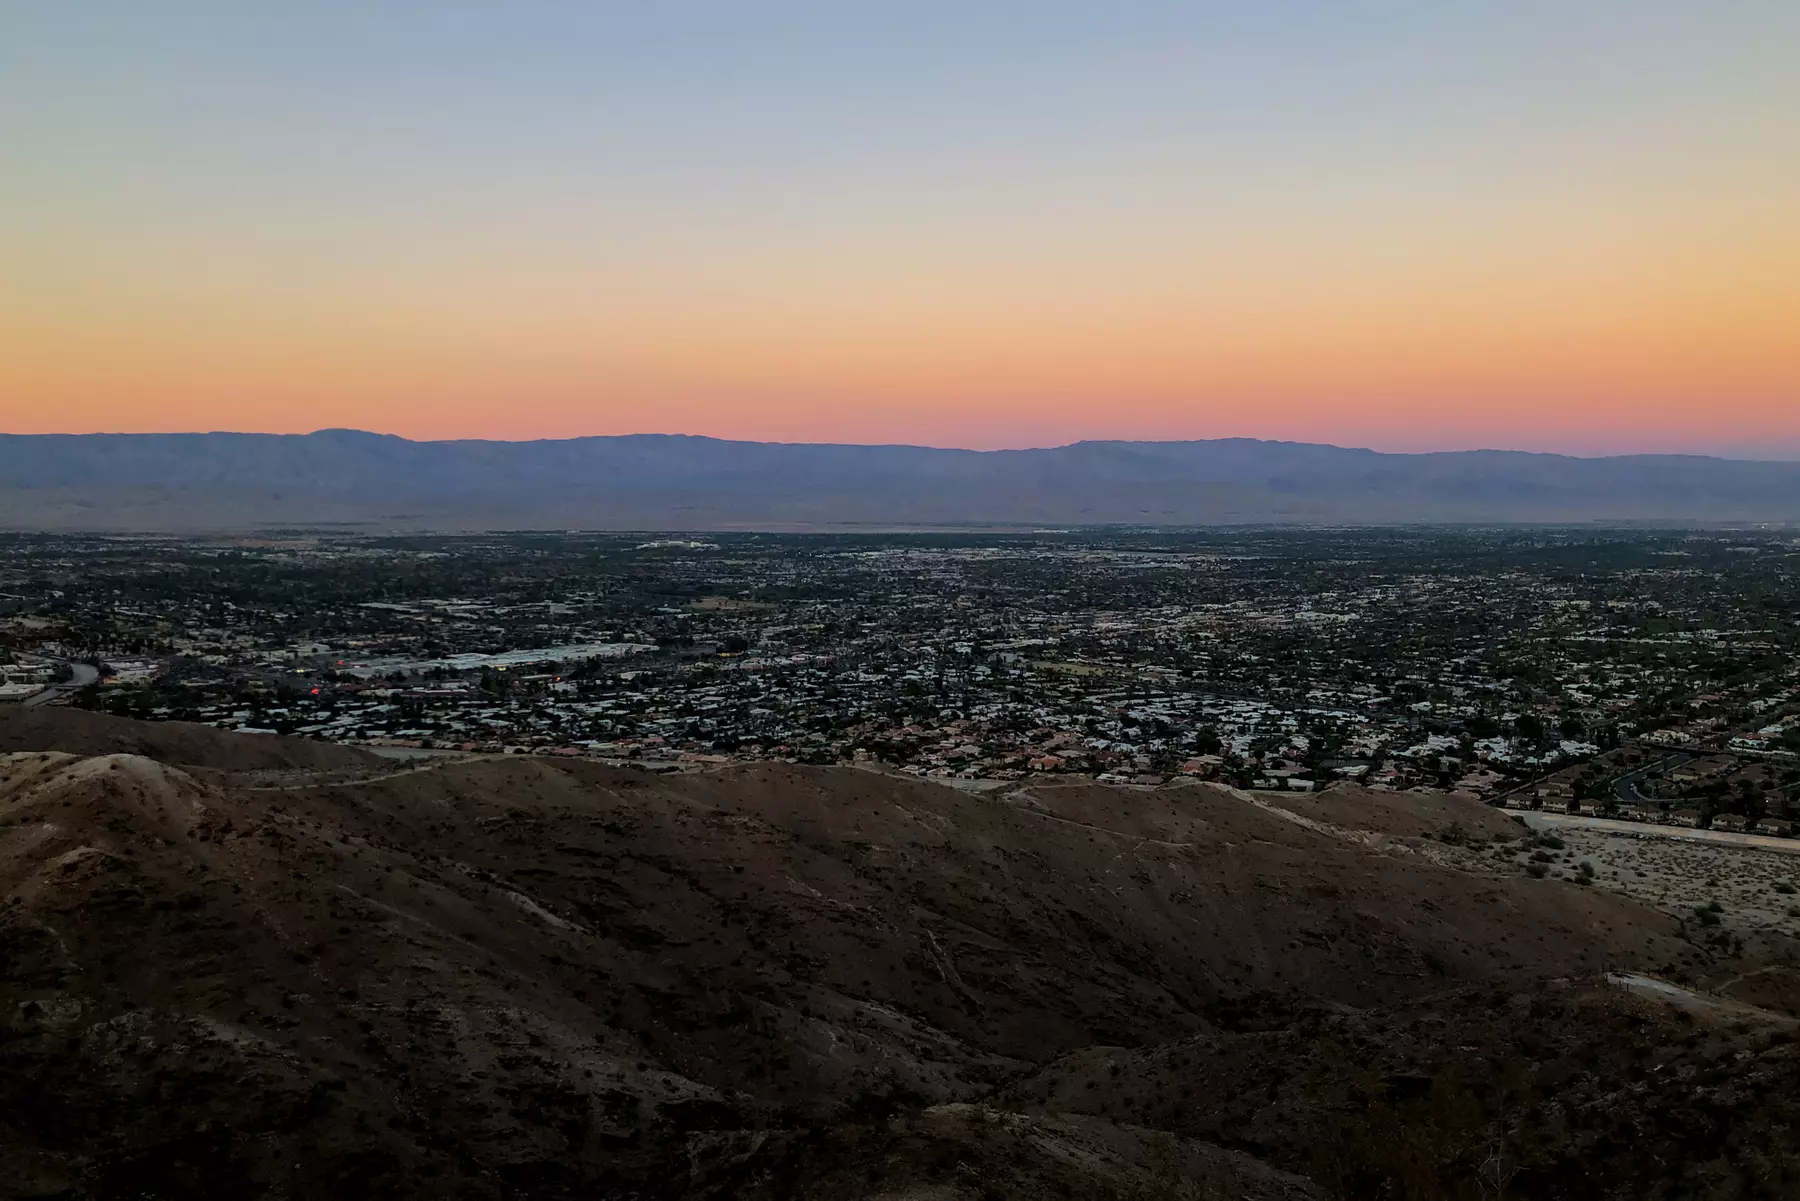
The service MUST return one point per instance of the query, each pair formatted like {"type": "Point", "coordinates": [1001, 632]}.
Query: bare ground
{"type": "Point", "coordinates": [278, 969]}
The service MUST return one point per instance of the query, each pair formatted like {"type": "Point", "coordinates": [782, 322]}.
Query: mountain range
{"type": "Point", "coordinates": [664, 481]}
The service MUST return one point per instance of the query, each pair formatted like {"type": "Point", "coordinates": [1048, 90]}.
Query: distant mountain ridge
{"type": "Point", "coordinates": [674, 481]}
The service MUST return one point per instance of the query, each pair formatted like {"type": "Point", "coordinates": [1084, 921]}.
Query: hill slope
{"type": "Point", "coordinates": [181, 743]}
{"type": "Point", "coordinates": [210, 481]}
{"type": "Point", "coordinates": [516, 977]}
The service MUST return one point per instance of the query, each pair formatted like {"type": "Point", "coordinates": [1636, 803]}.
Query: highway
{"type": "Point", "coordinates": [85, 674]}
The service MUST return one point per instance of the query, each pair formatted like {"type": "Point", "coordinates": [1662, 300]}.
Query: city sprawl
{"type": "Point", "coordinates": [1649, 675]}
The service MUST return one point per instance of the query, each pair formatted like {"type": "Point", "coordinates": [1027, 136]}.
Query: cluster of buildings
{"type": "Point", "coordinates": [1268, 658]}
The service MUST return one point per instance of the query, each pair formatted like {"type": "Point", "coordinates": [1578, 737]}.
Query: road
{"type": "Point", "coordinates": [1625, 788]}
{"type": "Point", "coordinates": [1608, 825]}
{"type": "Point", "coordinates": [85, 674]}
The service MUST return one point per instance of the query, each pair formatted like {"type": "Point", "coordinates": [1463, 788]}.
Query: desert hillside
{"type": "Point", "coordinates": [255, 967]}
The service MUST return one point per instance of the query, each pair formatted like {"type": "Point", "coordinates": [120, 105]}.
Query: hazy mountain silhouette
{"type": "Point", "coordinates": [651, 481]}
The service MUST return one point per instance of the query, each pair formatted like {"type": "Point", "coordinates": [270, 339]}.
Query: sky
{"type": "Point", "coordinates": [1564, 225]}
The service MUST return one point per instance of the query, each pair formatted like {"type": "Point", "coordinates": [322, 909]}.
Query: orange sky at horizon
{"type": "Point", "coordinates": [1440, 357]}
{"type": "Point", "coordinates": [1489, 230]}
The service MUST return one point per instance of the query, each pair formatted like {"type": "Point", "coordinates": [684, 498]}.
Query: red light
{"type": "Point", "coordinates": [315, 692]}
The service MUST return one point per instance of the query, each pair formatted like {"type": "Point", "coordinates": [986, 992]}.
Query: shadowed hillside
{"type": "Point", "coordinates": [231, 968]}
{"type": "Point", "coordinates": [80, 732]}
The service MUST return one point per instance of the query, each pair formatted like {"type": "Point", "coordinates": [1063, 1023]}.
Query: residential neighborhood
{"type": "Point", "coordinates": [1608, 673]}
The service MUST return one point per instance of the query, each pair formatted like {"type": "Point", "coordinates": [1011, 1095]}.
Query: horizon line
{"type": "Point", "coordinates": [1794, 454]}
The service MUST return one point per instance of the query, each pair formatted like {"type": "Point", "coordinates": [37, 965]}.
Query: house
{"type": "Point", "coordinates": [1685, 817]}
{"type": "Point", "coordinates": [1731, 822]}
{"type": "Point", "coordinates": [1482, 782]}
{"type": "Point", "coordinates": [1386, 780]}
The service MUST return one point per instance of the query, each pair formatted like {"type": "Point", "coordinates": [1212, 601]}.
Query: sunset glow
{"type": "Point", "coordinates": [1508, 227]}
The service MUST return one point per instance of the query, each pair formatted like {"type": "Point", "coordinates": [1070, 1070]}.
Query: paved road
{"type": "Point", "coordinates": [85, 674]}
{"type": "Point", "coordinates": [1608, 825]}
{"type": "Point", "coordinates": [1625, 788]}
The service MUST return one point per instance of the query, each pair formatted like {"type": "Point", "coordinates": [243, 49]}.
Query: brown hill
{"type": "Point", "coordinates": [77, 731]}
{"type": "Point", "coordinates": [1453, 815]}
{"type": "Point", "coordinates": [519, 977]}
{"type": "Point", "coordinates": [1559, 1089]}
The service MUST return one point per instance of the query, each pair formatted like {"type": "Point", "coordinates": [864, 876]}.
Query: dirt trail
{"type": "Point", "coordinates": [1693, 1001]}
{"type": "Point", "coordinates": [364, 781]}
